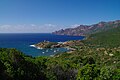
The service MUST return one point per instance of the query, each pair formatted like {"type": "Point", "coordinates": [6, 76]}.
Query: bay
{"type": "Point", "coordinates": [22, 42]}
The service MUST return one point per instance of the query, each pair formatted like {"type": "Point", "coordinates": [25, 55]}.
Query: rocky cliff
{"type": "Point", "coordinates": [84, 30]}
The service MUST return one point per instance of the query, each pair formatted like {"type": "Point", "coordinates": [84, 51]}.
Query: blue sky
{"type": "Point", "coordinates": [42, 16]}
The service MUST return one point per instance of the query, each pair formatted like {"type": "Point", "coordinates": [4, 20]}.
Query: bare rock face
{"type": "Point", "coordinates": [84, 30]}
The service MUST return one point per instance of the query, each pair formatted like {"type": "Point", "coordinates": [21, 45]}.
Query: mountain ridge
{"type": "Point", "coordinates": [84, 30]}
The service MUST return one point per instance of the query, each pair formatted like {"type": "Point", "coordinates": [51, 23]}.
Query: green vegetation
{"type": "Point", "coordinates": [97, 58]}
{"type": "Point", "coordinates": [84, 64]}
{"type": "Point", "coordinates": [46, 44]}
{"type": "Point", "coordinates": [16, 66]}
{"type": "Point", "coordinates": [110, 38]}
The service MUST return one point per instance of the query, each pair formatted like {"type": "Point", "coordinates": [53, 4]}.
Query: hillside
{"type": "Point", "coordinates": [83, 64]}
{"type": "Point", "coordinates": [84, 30]}
{"type": "Point", "coordinates": [109, 38]}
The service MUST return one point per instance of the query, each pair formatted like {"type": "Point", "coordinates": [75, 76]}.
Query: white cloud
{"type": "Point", "coordinates": [75, 25]}
{"type": "Point", "coordinates": [31, 28]}
{"type": "Point", "coordinates": [49, 25]}
{"type": "Point", "coordinates": [33, 25]}
{"type": "Point", "coordinates": [4, 28]}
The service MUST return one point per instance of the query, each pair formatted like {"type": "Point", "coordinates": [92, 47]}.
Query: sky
{"type": "Point", "coordinates": [45, 16]}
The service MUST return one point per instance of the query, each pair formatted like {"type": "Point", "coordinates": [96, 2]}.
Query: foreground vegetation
{"type": "Point", "coordinates": [97, 58]}
{"type": "Point", "coordinates": [83, 64]}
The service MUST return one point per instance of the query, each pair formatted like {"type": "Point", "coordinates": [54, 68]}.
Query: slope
{"type": "Point", "coordinates": [109, 38]}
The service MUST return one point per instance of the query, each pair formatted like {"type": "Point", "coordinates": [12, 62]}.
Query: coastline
{"type": "Point", "coordinates": [66, 45]}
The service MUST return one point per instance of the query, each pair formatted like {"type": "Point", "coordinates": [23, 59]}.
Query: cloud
{"type": "Point", "coordinates": [4, 28]}
{"type": "Point", "coordinates": [31, 28]}
{"type": "Point", "coordinates": [75, 25]}
{"type": "Point", "coordinates": [49, 25]}
{"type": "Point", "coordinates": [33, 25]}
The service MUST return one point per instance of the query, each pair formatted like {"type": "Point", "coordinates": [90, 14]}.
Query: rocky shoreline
{"type": "Point", "coordinates": [67, 44]}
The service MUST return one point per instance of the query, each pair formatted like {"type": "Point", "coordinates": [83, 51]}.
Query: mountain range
{"type": "Point", "coordinates": [84, 30]}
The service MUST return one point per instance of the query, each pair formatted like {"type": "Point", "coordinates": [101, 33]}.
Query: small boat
{"type": "Point", "coordinates": [57, 49]}
{"type": "Point", "coordinates": [39, 48]}
{"type": "Point", "coordinates": [54, 50]}
{"type": "Point", "coordinates": [43, 52]}
{"type": "Point", "coordinates": [46, 50]}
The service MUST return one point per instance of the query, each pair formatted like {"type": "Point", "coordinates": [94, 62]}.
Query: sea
{"type": "Point", "coordinates": [24, 41]}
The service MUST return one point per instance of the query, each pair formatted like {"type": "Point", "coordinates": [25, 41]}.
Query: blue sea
{"type": "Point", "coordinates": [22, 42]}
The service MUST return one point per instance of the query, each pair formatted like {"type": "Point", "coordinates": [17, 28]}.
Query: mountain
{"type": "Point", "coordinates": [109, 38]}
{"type": "Point", "coordinates": [84, 30]}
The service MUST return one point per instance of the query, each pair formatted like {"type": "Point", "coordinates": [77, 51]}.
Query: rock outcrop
{"type": "Point", "coordinates": [84, 30]}
{"type": "Point", "coordinates": [67, 44]}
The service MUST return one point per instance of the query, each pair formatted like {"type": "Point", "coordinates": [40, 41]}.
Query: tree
{"type": "Point", "coordinates": [88, 72]}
